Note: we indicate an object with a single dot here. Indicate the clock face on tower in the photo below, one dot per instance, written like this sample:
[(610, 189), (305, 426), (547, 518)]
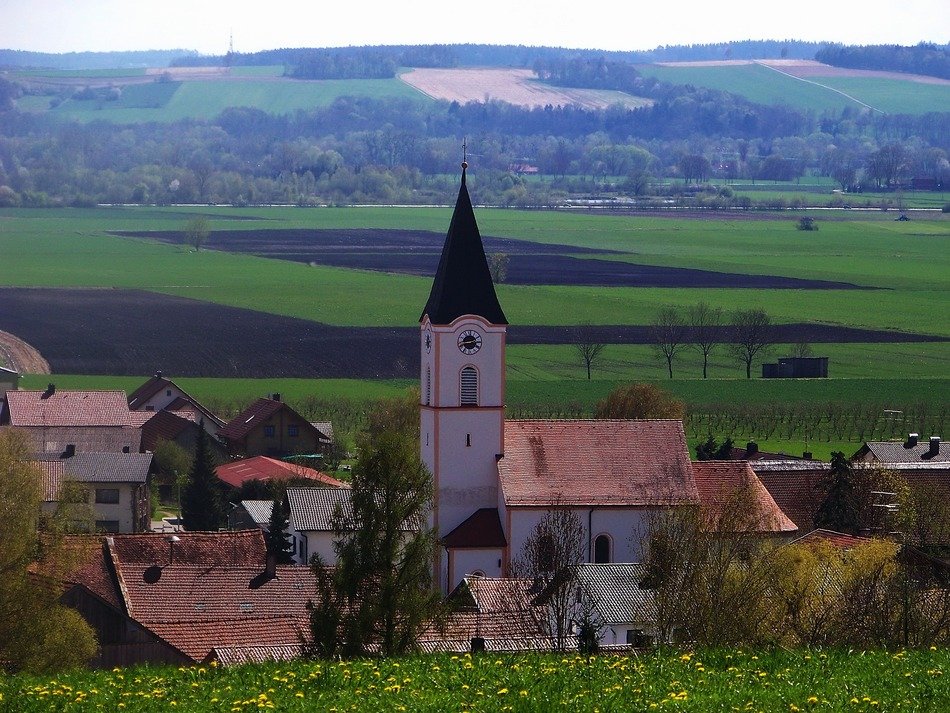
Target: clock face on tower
[(470, 341)]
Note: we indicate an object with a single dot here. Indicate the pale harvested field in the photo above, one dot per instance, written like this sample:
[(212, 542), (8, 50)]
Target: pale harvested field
[(20, 356), (515, 86)]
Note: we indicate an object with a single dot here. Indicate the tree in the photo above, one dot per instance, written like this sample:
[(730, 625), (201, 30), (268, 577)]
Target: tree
[(752, 334), (705, 324), (587, 346), (202, 500), (277, 539), (197, 230), (549, 557), (711, 450), (840, 508), (640, 401), (669, 333), (498, 266), (694, 167), (36, 633), (380, 594)]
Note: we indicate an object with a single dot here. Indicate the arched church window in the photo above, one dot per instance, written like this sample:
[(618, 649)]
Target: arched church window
[(468, 386), (602, 549), (428, 385)]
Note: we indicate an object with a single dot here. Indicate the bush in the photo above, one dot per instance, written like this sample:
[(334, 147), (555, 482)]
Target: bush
[(807, 223)]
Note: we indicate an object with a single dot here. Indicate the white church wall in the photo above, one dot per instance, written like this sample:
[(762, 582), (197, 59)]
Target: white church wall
[(471, 561), (624, 526)]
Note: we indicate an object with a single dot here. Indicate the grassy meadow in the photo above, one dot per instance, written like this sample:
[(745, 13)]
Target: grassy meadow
[(723, 680), (763, 85)]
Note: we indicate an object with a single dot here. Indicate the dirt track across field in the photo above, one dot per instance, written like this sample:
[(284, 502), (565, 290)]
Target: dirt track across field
[(20, 356)]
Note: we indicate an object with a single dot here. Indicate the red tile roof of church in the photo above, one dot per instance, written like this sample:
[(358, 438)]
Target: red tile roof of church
[(596, 463)]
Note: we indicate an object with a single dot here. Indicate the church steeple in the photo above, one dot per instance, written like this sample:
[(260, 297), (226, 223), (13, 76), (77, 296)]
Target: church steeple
[(463, 283)]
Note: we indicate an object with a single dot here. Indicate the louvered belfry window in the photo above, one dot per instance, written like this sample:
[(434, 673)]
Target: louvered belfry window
[(428, 385), (468, 382)]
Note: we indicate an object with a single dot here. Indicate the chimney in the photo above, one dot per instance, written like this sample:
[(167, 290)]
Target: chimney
[(158, 374), (276, 397), (911, 440), (50, 390), (751, 448), (807, 455), (934, 446), (70, 450), (270, 568)]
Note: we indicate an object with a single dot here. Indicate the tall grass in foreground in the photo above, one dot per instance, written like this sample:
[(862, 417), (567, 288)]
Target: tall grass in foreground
[(780, 680)]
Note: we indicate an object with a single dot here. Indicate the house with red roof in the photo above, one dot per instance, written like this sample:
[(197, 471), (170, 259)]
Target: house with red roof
[(188, 598), (270, 427), (238, 472), (725, 486), (176, 427), (62, 421)]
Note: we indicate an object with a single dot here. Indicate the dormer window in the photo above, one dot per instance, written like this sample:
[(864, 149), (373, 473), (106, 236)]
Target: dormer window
[(468, 387)]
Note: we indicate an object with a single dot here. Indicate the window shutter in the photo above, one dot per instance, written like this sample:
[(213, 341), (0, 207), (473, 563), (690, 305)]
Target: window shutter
[(469, 387)]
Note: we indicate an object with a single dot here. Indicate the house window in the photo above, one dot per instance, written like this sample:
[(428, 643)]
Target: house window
[(107, 496), (268, 431), (293, 430), (602, 549), (468, 440), (428, 385), (468, 383), (168, 392), (107, 525)]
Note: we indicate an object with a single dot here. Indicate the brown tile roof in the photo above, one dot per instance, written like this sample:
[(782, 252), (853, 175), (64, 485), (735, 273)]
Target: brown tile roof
[(53, 476), (92, 568), (148, 390), (246, 421), (312, 509), (239, 472), (238, 655), (482, 530), (241, 547), (139, 418), (720, 483), (796, 487), (610, 462), (162, 426), (68, 408), (197, 639), (836, 539)]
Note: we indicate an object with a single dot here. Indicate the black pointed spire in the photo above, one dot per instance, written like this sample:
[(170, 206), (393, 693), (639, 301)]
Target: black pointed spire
[(463, 283)]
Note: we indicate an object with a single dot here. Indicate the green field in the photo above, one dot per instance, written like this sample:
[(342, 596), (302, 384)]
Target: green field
[(206, 98), (723, 680), (762, 85), (908, 263)]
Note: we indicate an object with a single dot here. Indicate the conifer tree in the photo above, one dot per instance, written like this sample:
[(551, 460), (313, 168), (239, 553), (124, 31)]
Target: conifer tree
[(277, 539), (840, 509), (202, 502)]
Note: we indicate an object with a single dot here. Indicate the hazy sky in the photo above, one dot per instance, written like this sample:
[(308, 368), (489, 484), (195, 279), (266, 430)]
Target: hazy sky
[(204, 25)]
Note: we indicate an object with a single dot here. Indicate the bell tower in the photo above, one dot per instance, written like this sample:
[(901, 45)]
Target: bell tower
[(462, 344)]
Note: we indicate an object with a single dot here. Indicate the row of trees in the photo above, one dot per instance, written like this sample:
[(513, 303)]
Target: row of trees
[(361, 149)]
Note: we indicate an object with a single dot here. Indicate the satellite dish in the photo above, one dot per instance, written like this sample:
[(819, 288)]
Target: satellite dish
[(152, 574)]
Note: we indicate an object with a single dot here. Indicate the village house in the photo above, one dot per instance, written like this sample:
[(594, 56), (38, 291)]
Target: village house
[(61, 421), (270, 427), (913, 450), (173, 427), (188, 598), (118, 487), (236, 473), (162, 394)]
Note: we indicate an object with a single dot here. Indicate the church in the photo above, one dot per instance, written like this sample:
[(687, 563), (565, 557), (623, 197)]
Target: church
[(494, 478)]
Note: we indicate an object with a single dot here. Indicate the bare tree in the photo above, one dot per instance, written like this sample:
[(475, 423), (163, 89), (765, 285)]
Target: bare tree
[(197, 230), (669, 334), (549, 557), (705, 323), (587, 346), (752, 334), (498, 266)]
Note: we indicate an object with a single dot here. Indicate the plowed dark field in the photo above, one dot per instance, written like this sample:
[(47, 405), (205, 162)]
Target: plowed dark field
[(128, 332), (416, 252)]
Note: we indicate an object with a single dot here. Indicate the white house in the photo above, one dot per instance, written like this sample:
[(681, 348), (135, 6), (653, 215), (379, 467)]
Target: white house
[(311, 521)]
